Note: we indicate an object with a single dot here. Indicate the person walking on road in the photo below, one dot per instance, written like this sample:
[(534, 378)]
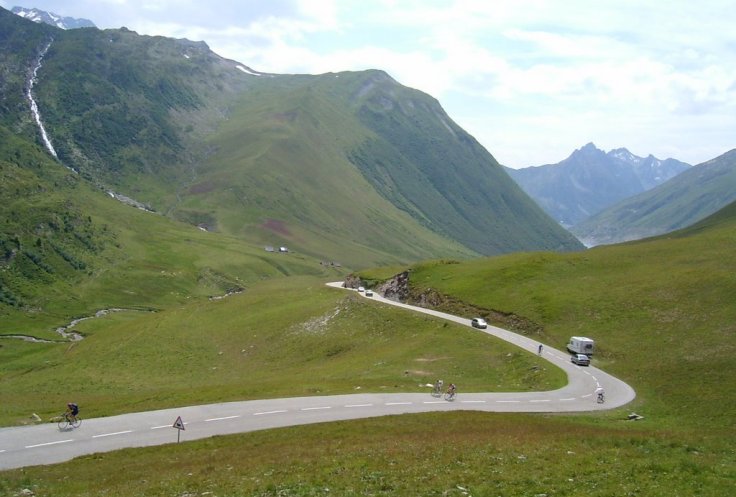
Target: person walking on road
[(539, 350)]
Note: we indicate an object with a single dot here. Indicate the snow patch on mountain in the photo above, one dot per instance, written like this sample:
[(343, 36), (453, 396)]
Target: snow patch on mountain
[(41, 16), (247, 71)]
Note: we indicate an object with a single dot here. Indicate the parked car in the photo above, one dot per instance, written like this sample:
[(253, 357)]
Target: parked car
[(368, 293), (361, 289), (580, 359), (479, 323)]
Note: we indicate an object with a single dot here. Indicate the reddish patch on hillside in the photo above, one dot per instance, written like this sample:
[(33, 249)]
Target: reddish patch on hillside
[(204, 187), (285, 116), (276, 226)]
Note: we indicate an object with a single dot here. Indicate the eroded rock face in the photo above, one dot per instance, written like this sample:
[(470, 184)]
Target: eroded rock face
[(352, 281), (397, 288)]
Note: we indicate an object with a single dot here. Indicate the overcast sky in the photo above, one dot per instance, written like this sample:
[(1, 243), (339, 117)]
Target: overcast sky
[(532, 80)]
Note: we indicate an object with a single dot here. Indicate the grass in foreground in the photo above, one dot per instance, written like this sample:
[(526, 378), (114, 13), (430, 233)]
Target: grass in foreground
[(285, 337), (448, 454)]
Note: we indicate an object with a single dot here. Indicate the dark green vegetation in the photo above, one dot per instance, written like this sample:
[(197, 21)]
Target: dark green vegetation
[(67, 250), (680, 202)]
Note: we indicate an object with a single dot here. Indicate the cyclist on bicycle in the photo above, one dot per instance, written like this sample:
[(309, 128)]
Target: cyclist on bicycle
[(438, 386), (72, 409), (451, 389), (600, 393)]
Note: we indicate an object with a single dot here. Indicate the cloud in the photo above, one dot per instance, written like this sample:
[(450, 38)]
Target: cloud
[(515, 74)]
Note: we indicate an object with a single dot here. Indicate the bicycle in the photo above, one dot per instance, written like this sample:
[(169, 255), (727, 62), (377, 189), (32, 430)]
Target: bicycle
[(437, 390), (65, 421), (450, 395), (601, 398)]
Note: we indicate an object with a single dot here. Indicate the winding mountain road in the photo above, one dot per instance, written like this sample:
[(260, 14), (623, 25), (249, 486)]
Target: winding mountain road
[(46, 444)]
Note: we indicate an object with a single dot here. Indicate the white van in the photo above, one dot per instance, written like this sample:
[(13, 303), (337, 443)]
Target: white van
[(581, 345)]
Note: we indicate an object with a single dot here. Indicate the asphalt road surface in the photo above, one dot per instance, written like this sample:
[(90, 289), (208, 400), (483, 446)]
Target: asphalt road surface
[(46, 444)]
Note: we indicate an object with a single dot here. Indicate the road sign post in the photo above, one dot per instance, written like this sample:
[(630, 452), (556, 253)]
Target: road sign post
[(179, 425)]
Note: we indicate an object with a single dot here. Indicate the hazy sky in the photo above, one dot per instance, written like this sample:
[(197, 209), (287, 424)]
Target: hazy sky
[(532, 80)]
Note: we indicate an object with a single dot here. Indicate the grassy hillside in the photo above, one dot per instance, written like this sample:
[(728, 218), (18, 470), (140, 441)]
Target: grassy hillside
[(300, 156), (282, 337), (67, 250), (651, 306), (661, 310), (680, 202)]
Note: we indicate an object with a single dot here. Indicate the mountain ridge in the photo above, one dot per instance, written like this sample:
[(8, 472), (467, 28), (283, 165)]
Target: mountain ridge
[(683, 200), (589, 180), (270, 160), (52, 19)]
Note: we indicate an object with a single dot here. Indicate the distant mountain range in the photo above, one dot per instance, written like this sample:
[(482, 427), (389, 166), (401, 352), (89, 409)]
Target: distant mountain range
[(56, 20), (683, 200), (590, 180)]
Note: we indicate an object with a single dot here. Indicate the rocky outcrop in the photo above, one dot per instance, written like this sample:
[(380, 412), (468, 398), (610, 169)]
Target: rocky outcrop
[(397, 288), (352, 281)]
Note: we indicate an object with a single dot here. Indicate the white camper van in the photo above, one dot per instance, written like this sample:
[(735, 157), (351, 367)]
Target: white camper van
[(581, 345)]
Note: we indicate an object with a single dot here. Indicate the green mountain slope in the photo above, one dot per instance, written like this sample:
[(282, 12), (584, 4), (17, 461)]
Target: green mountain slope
[(320, 163), (68, 250), (681, 201)]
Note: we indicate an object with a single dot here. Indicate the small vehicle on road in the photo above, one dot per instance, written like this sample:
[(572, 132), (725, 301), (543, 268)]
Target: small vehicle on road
[(361, 289), (580, 359), (479, 323), (368, 293)]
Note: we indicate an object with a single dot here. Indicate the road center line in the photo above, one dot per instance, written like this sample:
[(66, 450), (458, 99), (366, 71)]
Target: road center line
[(472, 401), (315, 408), (162, 426), (223, 418), (540, 400), (49, 443), (111, 434), (268, 412), (508, 401), (566, 400), (359, 405), (398, 403), (434, 402)]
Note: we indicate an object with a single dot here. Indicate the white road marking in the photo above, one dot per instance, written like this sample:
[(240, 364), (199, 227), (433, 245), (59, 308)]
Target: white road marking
[(434, 402), (508, 401), (566, 400), (588, 395), (162, 426), (268, 412), (223, 418), (473, 401), (315, 408), (111, 434), (540, 400), (49, 443), (2, 450), (359, 405), (398, 403)]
